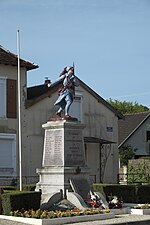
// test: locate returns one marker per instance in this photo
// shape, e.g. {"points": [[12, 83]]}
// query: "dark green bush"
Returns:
{"points": [[19, 200], [100, 188], [29, 187], [8, 188], [128, 193], [143, 194]]}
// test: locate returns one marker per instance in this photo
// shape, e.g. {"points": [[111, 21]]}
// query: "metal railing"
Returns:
{"points": [[133, 178], [14, 180]]}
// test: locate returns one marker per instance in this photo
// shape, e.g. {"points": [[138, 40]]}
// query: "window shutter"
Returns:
{"points": [[11, 99], [2, 98]]}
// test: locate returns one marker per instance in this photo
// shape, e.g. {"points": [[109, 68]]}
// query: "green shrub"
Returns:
{"points": [[143, 194], [100, 188], [128, 193], [8, 188], [14, 182], [27, 187], [138, 171], [19, 200]]}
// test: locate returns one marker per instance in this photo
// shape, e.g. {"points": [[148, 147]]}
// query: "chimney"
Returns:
{"points": [[47, 81]]}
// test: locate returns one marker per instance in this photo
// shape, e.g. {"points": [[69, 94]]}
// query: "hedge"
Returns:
{"points": [[29, 187], [128, 193], [20, 200], [8, 188], [143, 194], [25, 187]]}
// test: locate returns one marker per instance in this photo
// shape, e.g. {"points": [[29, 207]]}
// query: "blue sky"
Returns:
{"points": [[108, 40]]}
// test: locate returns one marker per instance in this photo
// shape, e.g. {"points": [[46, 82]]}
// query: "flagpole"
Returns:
{"points": [[73, 68], [19, 113]]}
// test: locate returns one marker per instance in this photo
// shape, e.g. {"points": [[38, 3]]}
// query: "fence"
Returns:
{"points": [[13, 181], [133, 178]]}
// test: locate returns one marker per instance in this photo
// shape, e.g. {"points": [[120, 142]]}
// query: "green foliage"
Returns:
{"points": [[29, 187], [128, 193], [127, 107], [14, 182], [44, 214], [18, 200], [138, 171], [126, 153], [145, 206], [143, 194], [8, 188]]}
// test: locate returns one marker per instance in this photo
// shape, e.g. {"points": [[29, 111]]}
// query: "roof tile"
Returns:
{"points": [[129, 124], [8, 58]]}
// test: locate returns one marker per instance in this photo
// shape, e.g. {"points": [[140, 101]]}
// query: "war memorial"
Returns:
{"points": [[64, 175]]}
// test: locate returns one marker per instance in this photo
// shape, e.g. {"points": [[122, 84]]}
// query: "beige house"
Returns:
{"points": [[8, 110], [100, 133], [99, 117]]}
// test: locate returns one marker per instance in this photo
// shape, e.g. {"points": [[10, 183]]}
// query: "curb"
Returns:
{"points": [[59, 221]]}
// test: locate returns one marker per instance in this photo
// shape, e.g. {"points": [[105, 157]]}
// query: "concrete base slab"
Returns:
{"points": [[140, 211], [56, 221], [124, 210]]}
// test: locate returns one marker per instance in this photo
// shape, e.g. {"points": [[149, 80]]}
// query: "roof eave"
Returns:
{"points": [[9, 58], [100, 99], [119, 146]]}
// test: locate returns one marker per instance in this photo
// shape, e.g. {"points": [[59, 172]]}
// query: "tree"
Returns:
{"points": [[126, 153], [127, 107]]}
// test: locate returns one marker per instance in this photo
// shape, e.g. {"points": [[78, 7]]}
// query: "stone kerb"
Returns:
{"points": [[64, 220]]}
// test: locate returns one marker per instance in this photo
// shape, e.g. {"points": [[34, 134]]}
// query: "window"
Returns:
{"points": [[148, 136], [11, 99], [76, 107], [148, 142], [8, 154], [8, 98], [2, 97]]}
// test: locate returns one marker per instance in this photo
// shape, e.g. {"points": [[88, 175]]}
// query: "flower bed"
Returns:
{"points": [[43, 217], [141, 209], [44, 214]]}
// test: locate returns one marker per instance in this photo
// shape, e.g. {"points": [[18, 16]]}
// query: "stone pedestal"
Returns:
{"points": [[63, 156]]}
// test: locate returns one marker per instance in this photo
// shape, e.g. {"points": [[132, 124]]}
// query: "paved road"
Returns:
{"points": [[121, 219]]}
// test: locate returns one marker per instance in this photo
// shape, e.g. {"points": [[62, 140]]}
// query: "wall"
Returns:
{"points": [[98, 118]]}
